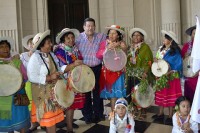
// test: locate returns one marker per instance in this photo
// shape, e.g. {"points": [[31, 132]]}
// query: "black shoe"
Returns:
{"points": [[156, 116], [43, 128], [30, 130], [168, 121], [102, 118], [88, 121], [75, 125], [96, 120]]}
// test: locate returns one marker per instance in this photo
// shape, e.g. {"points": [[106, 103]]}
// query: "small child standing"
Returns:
{"points": [[120, 120], [181, 119]]}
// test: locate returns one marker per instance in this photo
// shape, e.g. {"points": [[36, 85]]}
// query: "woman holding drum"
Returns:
{"points": [[12, 116], [112, 50], [67, 53], [165, 97], [190, 77], [138, 65], [43, 72]]}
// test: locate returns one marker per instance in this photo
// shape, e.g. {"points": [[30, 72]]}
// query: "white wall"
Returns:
{"points": [[23, 17], [8, 20]]}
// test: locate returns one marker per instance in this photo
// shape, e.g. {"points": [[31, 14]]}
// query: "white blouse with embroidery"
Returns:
{"points": [[36, 69]]}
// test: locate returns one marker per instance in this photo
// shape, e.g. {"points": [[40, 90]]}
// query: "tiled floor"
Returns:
{"points": [[146, 126]]}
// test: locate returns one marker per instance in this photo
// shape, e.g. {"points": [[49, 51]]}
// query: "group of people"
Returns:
{"points": [[41, 67]]}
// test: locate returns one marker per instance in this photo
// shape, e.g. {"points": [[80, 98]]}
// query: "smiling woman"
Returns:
{"points": [[12, 117]]}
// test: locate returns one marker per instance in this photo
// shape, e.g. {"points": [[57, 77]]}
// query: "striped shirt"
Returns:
{"points": [[89, 49]]}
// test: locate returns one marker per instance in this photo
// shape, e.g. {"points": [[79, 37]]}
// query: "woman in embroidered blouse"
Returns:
{"points": [[190, 82], [67, 53], [43, 72], [19, 118], [112, 84], [181, 119], [170, 52]]}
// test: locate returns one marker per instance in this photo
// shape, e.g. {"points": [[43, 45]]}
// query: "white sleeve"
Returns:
{"points": [[113, 128], [194, 126], [132, 123], [36, 72], [175, 128]]}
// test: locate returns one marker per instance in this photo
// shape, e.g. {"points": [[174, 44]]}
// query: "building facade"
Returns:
{"points": [[23, 17]]}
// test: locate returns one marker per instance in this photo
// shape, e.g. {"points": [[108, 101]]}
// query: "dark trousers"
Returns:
{"points": [[131, 82], [93, 107]]}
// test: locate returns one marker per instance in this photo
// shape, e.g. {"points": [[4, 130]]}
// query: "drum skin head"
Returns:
{"points": [[114, 60], [160, 68], [10, 80], [187, 67], [146, 99], [82, 79], [64, 97]]}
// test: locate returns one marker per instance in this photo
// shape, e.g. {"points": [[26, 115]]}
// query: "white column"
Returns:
{"points": [[94, 12], [170, 16]]}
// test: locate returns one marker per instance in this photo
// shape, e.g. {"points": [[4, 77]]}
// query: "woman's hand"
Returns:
{"points": [[170, 72], [112, 45], [54, 77], [78, 62]]}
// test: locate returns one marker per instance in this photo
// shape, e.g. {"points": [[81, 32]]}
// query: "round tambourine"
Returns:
{"points": [[82, 79], [114, 60], [143, 100], [160, 68], [10, 79], [63, 96], [187, 67]]}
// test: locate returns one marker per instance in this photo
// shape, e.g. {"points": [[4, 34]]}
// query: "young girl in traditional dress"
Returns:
{"points": [[120, 120], [181, 119]]}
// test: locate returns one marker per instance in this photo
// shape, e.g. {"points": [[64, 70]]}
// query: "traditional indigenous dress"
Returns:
{"points": [[178, 123], [67, 56], [166, 97], [190, 82], [119, 125], [139, 60], [43, 110], [14, 117], [112, 84], [24, 57]]}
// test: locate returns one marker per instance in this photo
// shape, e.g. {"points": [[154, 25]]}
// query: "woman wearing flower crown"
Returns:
{"points": [[112, 84]]}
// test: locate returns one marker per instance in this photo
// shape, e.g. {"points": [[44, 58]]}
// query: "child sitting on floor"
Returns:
{"points": [[181, 119], [120, 120]]}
